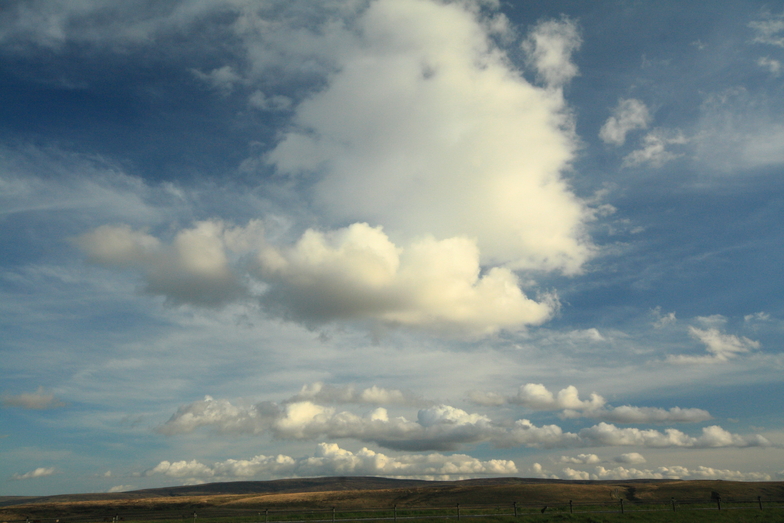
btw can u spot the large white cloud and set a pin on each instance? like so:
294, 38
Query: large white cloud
331, 460
447, 164
427, 130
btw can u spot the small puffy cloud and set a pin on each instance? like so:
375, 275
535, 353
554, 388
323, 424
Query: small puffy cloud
38, 400
628, 115
721, 347
757, 316
576, 475
37, 473
537, 397
580, 459
222, 78
550, 46
662, 320
331, 460
269, 103
655, 150
539, 471
630, 458
771, 65
120, 488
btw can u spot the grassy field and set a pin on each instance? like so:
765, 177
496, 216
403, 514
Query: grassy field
480, 501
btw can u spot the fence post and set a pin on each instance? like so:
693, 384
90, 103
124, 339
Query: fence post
194, 517
718, 502
266, 515
570, 506
759, 500
458, 511
333, 514
673, 504
621, 500
514, 504
394, 512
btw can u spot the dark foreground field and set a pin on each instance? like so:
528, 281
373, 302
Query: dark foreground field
500, 500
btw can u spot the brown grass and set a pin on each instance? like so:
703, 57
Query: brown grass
323, 494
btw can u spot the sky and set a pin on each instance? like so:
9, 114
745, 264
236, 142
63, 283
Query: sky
260, 239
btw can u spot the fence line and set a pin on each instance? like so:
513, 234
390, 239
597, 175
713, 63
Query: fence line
458, 511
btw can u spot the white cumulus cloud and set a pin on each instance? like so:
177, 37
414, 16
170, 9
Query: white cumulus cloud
582, 459
631, 458
550, 46
351, 273
427, 131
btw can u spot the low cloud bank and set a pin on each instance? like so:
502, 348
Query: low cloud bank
673, 472
536, 396
330, 460
438, 427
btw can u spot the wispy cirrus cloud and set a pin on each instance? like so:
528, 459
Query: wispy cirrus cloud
38, 400
720, 347
40, 472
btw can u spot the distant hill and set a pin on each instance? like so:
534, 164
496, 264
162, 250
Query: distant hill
368, 492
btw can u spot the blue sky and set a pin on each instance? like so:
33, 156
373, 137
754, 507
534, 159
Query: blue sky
410, 238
